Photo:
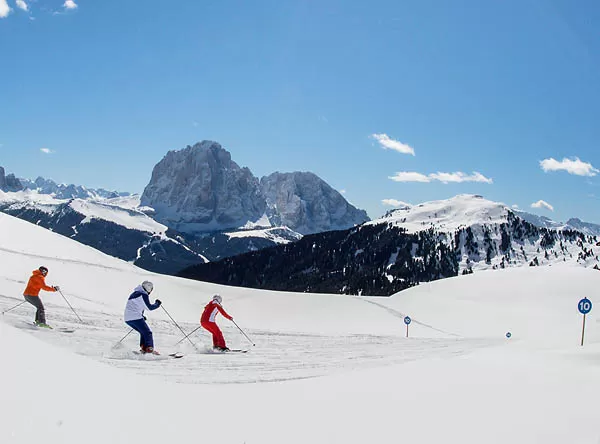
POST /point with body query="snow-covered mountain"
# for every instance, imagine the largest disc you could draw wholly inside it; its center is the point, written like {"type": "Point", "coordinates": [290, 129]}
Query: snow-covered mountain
{"type": "Point", "coordinates": [63, 191]}
{"type": "Point", "coordinates": [200, 188]}
{"type": "Point", "coordinates": [410, 245]}
{"type": "Point", "coordinates": [118, 225]}
{"type": "Point", "coordinates": [448, 215]}
{"type": "Point", "coordinates": [199, 206]}
{"type": "Point", "coordinates": [125, 233]}
{"type": "Point", "coordinates": [319, 359]}
{"type": "Point", "coordinates": [571, 224]}
{"type": "Point", "coordinates": [583, 227]}
{"type": "Point", "coordinates": [490, 235]}
{"type": "Point", "coordinates": [123, 229]}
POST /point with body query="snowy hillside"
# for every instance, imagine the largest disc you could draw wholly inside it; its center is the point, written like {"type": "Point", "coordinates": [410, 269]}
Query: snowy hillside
{"type": "Point", "coordinates": [320, 365]}
{"type": "Point", "coordinates": [119, 226]}
{"type": "Point", "coordinates": [469, 209]}
{"type": "Point", "coordinates": [408, 246]}
{"type": "Point", "coordinates": [488, 234]}
{"type": "Point", "coordinates": [119, 210]}
{"type": "Point", "coordinates": [448, 215]}
{"type": "Point", "coordinates": [113, 226]}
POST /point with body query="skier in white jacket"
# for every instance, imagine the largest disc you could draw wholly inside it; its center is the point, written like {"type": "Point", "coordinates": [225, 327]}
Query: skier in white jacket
{"type": "Point", "coordinates": [134, 315]}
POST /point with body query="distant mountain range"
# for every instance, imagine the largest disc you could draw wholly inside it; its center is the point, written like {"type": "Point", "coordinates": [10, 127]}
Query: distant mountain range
{"type": "Point", "coordinates": [407, 246]}
{"type": "Point", "coordinates": [203, 214]}
{"type": "Point", "coordinates": [199, 206]}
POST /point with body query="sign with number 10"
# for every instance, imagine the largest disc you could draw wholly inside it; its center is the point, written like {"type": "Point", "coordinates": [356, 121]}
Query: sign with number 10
{"type": "Point", "coordinates": [585, 306]}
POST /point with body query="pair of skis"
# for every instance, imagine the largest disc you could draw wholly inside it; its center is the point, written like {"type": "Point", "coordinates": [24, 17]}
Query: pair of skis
{"type": "Point", "coordinates": [180, 355]}
{"type": "Point", "coordinates": [159, 356]}
{"type": "Point", "coordinates": [59, 329]}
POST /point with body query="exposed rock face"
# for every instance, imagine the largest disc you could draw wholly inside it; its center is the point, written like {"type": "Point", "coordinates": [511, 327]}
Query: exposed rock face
{"type": "Point", "coordinates": [9, 182]}
{"type": "Point", "coordinates": [201, 189]}
{"type": "Point", "coordinates": [307, 204]}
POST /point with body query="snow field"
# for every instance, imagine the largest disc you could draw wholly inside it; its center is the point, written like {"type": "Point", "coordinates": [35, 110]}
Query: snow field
{"type": "Point", "coordinates": [325, 369]}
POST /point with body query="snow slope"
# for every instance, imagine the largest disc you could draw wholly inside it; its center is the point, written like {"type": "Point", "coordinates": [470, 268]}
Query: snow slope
{"type": "Point", "coordinates": [121, 210]}
{"type": "Point", "coordinates": [325, 368]}
{"type": "Point", "coordinates": [128, 218]}
{"type": "Point", "coordinates": [484, 218]}
{"type": "Point", "coordinates": [447, 215]}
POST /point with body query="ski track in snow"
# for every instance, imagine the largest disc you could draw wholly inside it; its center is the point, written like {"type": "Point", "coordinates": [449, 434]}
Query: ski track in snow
{"type": "Point", "coordinates": [400, 315]}
{"type": "Point", "coordinates": [277, 356]}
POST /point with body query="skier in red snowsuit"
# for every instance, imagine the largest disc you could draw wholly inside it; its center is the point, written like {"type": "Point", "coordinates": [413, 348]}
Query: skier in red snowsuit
{"type": "Point", "coordinates": [207, 321]}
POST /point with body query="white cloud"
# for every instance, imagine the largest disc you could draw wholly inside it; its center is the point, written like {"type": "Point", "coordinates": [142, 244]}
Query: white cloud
{"type": "Point", "coordinates": [457, 177]}
{"type": "Point", "coordinates": [460, 177]}
{"type": "Point", "coordinates": [542, 204]}
{"type": "Point", "coordinates": [571, 166]}
{"type": "Point", "coordinates": [22, 5]}
{"type": "Point", "coordinates": [4, 9]}
{"type": "Point", "coordinates": [395, 203]}
{"type": "Point", "coordinates": [342, 191]}
{"type": "Point", "coordinates": [70, 4]}
{"type": "Point", "coordinates": [46, 151]}
{"type": "Point", "coordinates": [408, 176]}
{"type": "Point", "coordinates": [515, 206]}
{"type": "Point", "coordinates": [390, 144]}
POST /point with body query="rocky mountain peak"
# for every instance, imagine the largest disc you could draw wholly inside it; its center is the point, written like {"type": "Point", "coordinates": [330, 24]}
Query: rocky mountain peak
{"type": "Point", "coordinates": [307, 204]}
{"type": "Point", "coordinates": [199, 188]}
{"type": "Point", "coordinates": [8, 182]}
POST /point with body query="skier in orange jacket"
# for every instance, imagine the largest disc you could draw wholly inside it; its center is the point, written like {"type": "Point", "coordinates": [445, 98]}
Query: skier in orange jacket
{"type": "Point", "coordinates": [31, 294]}
{"type": "Point", "coordinates": [207, 321]}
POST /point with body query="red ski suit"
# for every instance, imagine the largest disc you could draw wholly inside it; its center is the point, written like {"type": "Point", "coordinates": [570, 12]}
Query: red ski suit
{"type": "Point", "coordinates": [207, 321]}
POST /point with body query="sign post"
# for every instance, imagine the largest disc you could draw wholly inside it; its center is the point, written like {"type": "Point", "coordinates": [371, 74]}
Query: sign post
{"type": "Point", "coordinates": [584, 306]}
{"type": "Point", "coordinates": [407, 321]}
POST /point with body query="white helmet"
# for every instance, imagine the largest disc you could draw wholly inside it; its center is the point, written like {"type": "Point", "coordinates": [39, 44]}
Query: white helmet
{"type": "Point", "coordinates": [217, 298]}
{"type": "Point", "coordinates": [148, 286]}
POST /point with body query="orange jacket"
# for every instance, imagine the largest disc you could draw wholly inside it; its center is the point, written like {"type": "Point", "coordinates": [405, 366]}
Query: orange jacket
{"type": "Point", "coordinates": [35, 284]}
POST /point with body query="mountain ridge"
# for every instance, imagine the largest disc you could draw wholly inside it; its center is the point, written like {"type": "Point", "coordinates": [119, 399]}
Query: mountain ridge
{"type": "Point", "coordinates": [416, 244]}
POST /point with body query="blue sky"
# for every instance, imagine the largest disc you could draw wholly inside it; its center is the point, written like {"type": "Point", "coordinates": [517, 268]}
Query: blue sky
{"type": "Point", "coordinates": [385, 100]}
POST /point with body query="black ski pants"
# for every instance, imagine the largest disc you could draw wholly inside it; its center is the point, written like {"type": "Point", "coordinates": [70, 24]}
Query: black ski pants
{"type": "Point", "coordinates": [40, 314]}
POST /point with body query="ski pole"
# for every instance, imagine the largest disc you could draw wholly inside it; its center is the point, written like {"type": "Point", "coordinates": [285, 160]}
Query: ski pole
{"type": "Point", "coordinates": [61, 293]}
{"type": "Point", "coordinates": [253, 344]}
{"type": "Point", "coordinates": [174, 322]}
{"type": "Point", "coordinates": [188, 335]}
{"type": "Point", "coordinates": [123, 338]}
{"type": "Point", "coordinates": [18, 305]}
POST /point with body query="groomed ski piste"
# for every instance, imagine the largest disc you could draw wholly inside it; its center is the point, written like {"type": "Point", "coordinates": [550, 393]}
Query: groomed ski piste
{"type": "Point", "coordinates": [325, 368]}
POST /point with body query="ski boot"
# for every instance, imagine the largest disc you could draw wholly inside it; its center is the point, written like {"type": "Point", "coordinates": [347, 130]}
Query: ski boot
{"type": "Point", "coordinates": [42, 325]}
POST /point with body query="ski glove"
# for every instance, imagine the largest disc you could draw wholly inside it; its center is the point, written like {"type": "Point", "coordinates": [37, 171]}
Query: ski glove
{"type": "Point", "coordinates": [56, 288]}
{"type": "Point", "coordinates": [158, 302]}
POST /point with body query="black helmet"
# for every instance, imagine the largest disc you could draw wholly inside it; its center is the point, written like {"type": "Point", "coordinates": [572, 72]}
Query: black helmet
{"type": "Point", "coordinates": [44, 270]}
